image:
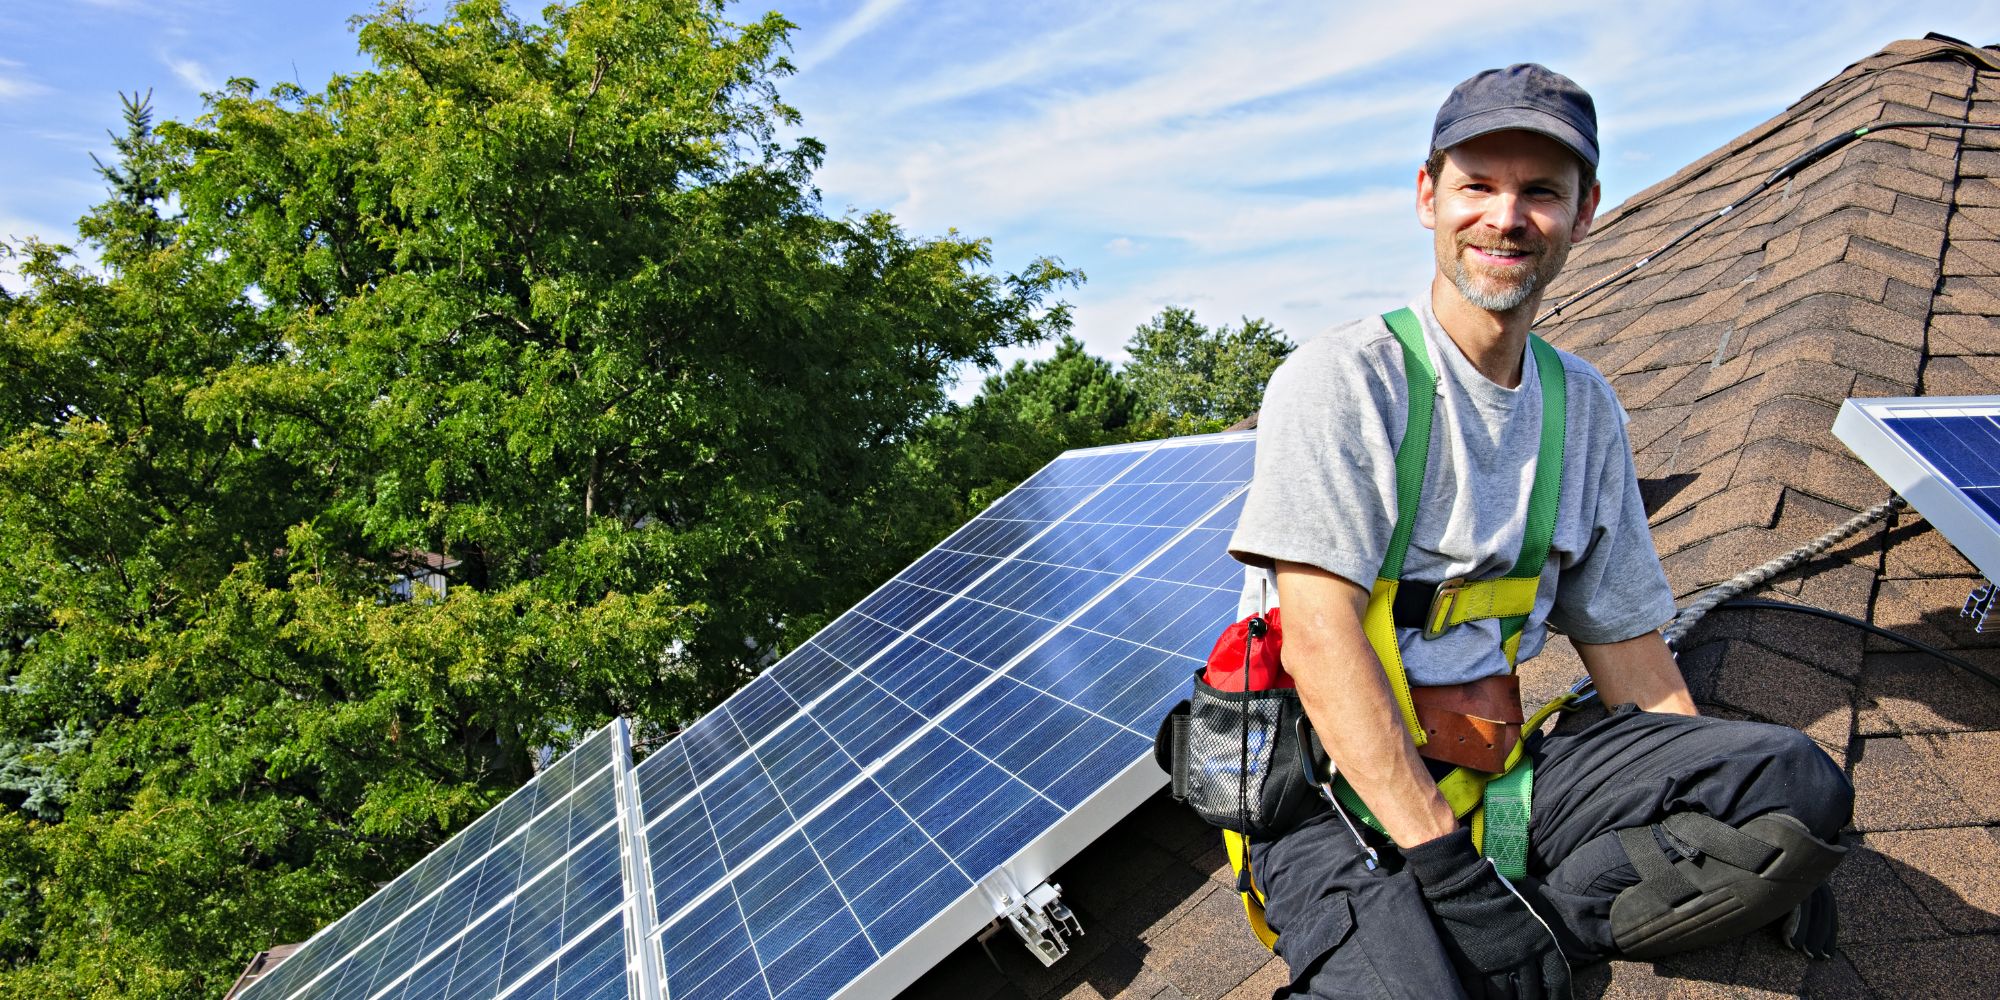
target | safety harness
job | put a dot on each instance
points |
(1497, 802)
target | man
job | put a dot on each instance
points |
(1651, 831)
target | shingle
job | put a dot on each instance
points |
(1200, 962)
(1897, 787)
(1974, 295)
(1753, 505)
(1911, 693)
(1964, 335)
(1983, 191)
(1916, 549)
(1945, 968)
(1778, 688)
(1875, 905)
(1970, 762)
(1972, 257)
(1927, 610)
(1917, 272)
(1951, 873)
(1954, 376)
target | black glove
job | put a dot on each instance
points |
(1500, 948)
(1813, 926)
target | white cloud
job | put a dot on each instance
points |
(15, 85)
(193, 74)
(862, 21)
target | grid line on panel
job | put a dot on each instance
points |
(734, 898)
(730, 873)
(473, 921)
(1036, 688)
(819, 859)
(396, 920)
(806, 708)
(556, 955)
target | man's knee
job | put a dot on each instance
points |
(1800, 779)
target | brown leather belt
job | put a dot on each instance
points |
(1474, 724)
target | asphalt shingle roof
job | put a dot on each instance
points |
(1874, 272)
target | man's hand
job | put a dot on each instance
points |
(1501, 949)
(1344, 691)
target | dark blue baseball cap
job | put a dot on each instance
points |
(1527, 96)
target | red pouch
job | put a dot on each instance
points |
(1224, 671)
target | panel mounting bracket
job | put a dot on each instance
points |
(1037, 915)
(1980, 605)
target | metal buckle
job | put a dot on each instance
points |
(1441, 603)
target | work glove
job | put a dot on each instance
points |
(1500, 948)
(1813, 926)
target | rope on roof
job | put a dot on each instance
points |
(1687, 617)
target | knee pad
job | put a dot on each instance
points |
(1739, 878)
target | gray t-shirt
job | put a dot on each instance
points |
(1324, 493)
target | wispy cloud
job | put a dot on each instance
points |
(15, 84)
(862, 21)
(192, 73)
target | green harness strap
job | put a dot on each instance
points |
(1500, 805)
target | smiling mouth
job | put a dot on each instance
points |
(1500, 256)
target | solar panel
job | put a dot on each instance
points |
(856, 811)
(519, 904)
(919, 766)
(1942, 454)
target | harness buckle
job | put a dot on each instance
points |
(1439, 618)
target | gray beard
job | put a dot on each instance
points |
(1507, 299)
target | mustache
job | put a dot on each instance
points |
(1521, 246)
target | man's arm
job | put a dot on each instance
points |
(1640, 670)
(1347, 696)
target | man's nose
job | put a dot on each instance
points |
(1507, 213)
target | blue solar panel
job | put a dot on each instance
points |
(829, 829)
(509, 906)
(1942, 454)
(868, 782)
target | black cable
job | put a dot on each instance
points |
(1749, 604)
(1798, 163)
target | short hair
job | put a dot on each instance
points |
(1586, 175)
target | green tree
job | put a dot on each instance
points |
(1191, 379)
(1021, 419)
(548, 299)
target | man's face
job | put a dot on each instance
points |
(1504, 210)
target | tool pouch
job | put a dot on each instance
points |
(1261, 790)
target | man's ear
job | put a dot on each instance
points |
(1427, 199)
(1586, 213)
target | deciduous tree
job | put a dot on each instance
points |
(551, 300)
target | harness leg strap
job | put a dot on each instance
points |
(1737, 880)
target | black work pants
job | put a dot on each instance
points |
(1345, 931)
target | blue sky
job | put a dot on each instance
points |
(1238, 158)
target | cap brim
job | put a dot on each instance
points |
(1521, 119)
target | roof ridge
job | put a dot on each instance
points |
(1931, 48)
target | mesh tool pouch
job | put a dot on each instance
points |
(1254, 787)
(1234, 754)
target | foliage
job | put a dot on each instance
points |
(552, 300)
(1022, 418)
(1193, 379)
